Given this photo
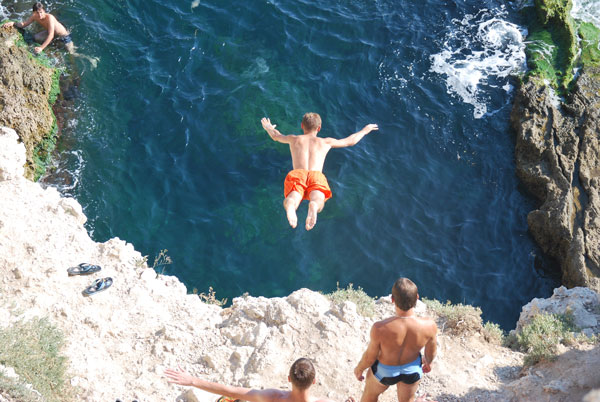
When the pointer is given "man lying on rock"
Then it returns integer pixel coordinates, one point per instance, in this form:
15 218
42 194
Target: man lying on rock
302 376
54 29
394 351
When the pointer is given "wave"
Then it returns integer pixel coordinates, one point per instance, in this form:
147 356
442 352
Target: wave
587 10
4 14
480 53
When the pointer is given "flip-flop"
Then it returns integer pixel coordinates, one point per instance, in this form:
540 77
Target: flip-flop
83 269
98 286
227 399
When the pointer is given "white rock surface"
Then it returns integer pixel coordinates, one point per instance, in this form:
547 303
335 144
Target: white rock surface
582 303
12 155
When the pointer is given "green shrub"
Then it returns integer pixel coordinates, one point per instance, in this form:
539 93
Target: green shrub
493 333
17 391
540 338
457 318
365 305
32 349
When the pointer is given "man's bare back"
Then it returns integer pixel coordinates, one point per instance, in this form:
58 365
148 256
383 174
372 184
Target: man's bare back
308 152
402 338
393 355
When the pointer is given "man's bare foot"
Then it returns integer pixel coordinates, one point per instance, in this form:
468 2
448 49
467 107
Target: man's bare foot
311 217
290 211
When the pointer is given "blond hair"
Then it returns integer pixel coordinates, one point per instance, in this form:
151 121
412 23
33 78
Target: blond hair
311 121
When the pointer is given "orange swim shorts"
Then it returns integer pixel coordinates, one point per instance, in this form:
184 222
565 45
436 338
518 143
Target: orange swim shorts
305 181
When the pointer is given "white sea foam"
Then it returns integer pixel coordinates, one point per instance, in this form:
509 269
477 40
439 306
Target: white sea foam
587 10
480 53
3 13
62 178
259 67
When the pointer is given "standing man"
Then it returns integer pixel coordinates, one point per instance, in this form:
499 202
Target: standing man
302 376
394 351
54 29
307 181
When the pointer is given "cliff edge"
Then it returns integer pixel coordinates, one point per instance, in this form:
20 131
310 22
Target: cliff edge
28 88
557 121
118 342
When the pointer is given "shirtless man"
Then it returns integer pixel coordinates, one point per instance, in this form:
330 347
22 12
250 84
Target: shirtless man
54 29
307 181
302 376
394 349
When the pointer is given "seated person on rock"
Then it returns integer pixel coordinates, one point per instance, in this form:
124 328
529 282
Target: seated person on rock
54 29
394 351
302 376
307 181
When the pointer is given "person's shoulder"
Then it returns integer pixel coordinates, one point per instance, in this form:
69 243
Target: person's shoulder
383 323
272 394
327 140
428 323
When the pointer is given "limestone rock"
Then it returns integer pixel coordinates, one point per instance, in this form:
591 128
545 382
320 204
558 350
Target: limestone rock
556 153
24 94
12 155
119 342
592 396
582 303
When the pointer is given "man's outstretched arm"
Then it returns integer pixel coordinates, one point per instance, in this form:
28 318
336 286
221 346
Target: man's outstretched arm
19 24
273 132
352 139
181 377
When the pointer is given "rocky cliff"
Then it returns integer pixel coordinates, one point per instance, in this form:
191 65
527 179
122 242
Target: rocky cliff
556 118
557 148
27 90
119 341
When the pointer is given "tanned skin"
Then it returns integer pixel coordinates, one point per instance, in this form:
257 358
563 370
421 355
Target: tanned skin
309 152
180 377
396 341
53 28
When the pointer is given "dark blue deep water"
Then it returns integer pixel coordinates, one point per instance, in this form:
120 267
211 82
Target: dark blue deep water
162 143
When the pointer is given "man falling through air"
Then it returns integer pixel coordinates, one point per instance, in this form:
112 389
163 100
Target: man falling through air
307 181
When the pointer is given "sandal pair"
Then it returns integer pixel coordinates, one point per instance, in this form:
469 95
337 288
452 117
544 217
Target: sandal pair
86 269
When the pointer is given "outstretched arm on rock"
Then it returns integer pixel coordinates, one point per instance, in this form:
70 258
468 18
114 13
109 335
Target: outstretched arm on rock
181 377
18 24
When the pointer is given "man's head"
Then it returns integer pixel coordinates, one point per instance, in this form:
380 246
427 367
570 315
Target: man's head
38 9
311 122
405 294
302 373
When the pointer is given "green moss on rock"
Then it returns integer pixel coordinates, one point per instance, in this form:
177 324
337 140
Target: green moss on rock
589 36
29 87
552 48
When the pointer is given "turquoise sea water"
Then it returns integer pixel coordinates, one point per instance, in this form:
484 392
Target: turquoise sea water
162 144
